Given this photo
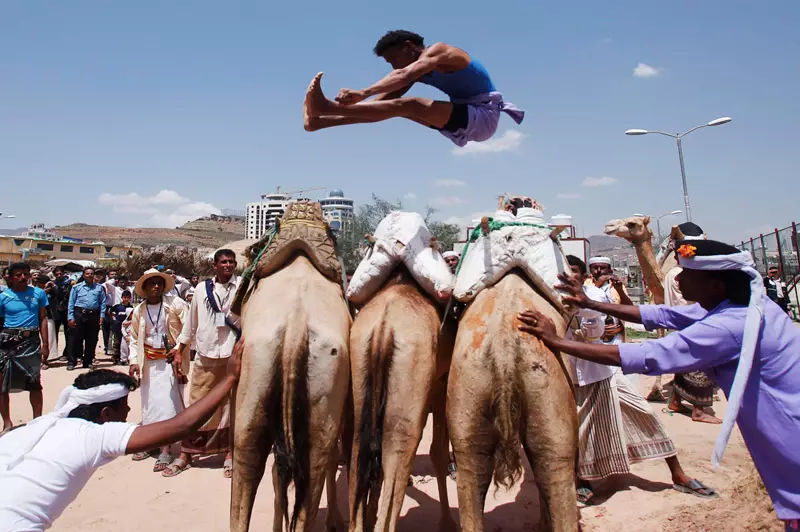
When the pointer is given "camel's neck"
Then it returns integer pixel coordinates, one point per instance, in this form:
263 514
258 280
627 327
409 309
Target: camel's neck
651 273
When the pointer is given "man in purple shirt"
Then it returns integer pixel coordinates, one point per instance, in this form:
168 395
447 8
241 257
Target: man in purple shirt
740 338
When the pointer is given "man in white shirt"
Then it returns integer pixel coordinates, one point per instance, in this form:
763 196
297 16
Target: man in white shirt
213 331
617 427
45 464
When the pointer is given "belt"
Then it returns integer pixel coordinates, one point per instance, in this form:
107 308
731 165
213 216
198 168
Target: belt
24 332
87 310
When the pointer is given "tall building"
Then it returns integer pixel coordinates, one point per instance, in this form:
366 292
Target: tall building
338 211
262 215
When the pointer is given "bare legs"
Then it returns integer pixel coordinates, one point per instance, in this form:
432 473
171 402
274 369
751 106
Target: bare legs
37 402
5 411
698 413
320 112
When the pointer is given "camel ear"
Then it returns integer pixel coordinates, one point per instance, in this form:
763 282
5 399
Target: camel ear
646 220
676 233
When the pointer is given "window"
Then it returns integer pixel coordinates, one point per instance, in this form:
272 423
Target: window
44 247
109 248
66 249
85 249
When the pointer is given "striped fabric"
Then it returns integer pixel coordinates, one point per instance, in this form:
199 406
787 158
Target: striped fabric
617 428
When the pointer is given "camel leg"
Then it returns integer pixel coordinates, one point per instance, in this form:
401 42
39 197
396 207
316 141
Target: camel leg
333 520
439 452
358 382
550 441
252 443
472 436
279 504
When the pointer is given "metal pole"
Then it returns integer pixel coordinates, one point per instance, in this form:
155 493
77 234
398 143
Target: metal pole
658 224
685 188
780 255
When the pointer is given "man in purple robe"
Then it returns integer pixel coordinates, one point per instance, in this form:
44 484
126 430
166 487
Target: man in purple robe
472 114
740 338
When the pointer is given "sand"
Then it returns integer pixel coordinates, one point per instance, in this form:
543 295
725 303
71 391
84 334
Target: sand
128 497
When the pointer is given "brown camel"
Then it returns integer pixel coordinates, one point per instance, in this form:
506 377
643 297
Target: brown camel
506 389
398 359
291 394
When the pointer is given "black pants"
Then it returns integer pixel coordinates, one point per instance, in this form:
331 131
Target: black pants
106 336
58 322
83 338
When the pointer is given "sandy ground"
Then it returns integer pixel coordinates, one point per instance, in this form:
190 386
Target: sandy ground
127 497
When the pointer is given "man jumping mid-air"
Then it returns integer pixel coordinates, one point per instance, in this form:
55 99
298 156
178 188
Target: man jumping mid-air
472 114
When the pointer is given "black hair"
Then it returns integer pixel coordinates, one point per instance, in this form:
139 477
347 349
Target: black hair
122 278
224 253
773 267
58 269
89 268
126 293
396 38
17 266
737 285
95 378
99 271
193 275
572 260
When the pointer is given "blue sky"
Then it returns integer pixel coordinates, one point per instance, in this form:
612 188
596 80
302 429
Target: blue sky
104 105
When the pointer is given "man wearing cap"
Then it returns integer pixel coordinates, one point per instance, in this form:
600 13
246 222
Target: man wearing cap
155 325
744 342
694 387
45 464
451 258
86 311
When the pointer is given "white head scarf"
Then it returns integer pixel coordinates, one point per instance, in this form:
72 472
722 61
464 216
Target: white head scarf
600 260
448 254
69 400
743 262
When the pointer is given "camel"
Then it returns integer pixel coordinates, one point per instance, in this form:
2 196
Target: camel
507 389
636 231
291 394
398 359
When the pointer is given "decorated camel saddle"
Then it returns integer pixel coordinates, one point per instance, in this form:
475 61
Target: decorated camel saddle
401 237
507 241
303 229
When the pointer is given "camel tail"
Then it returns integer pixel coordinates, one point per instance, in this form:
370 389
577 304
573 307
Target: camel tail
370 452
292 419
506 415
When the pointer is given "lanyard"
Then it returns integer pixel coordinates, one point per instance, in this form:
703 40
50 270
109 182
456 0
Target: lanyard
222 302
158 316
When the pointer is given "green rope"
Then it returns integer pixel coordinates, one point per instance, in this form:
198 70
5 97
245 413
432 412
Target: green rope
494 225
248 273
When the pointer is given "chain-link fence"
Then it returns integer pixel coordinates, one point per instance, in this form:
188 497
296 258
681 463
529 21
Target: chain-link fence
779 248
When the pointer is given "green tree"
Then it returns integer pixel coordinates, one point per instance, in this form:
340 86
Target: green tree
352 245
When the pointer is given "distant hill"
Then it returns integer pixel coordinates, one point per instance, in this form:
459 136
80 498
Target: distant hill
13 232
202 233
613 246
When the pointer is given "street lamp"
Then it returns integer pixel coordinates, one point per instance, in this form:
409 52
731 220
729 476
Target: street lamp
658 220
7 216
678 137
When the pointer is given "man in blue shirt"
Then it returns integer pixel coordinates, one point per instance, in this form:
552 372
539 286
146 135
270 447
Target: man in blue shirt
22 310
87 306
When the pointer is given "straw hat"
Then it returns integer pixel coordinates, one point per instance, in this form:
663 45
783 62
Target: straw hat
169 282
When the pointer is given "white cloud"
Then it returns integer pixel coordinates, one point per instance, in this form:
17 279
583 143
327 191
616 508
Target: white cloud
567 195
643 70
508 141
447 200
468 220
449 183
599 181
166 208
410 195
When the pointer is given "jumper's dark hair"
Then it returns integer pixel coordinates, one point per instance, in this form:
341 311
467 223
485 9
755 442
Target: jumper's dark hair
737 285
224 253
18 266
396 38
572 260
96 378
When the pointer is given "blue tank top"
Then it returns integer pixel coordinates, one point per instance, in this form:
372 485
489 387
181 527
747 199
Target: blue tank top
464 83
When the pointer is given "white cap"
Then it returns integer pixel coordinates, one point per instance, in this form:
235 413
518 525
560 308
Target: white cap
600 260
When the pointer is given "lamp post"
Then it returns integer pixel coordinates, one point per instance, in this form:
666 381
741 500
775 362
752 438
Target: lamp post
658 221
678 137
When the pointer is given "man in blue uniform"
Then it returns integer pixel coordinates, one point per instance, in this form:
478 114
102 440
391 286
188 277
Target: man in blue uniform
87 306
472 114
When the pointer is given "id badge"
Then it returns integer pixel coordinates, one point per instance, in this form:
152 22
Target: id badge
157 343
219 319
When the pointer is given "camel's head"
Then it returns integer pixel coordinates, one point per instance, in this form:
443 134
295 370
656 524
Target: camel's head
633 229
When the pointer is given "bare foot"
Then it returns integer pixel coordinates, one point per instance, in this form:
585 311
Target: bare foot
316 103
699 415
675 405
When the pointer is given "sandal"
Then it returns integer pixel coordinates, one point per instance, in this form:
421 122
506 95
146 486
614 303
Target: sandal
452 470
584 495
694 487
227 468
164 459
176 468
138 457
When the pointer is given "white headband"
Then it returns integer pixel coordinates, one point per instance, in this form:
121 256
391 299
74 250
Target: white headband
600 260
743 262
447 254
70 399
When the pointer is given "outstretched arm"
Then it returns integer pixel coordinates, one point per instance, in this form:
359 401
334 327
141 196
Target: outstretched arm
432 57
574 296
148 437
541 326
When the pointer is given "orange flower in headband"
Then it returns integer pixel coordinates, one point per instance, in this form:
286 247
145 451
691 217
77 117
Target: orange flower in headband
687 251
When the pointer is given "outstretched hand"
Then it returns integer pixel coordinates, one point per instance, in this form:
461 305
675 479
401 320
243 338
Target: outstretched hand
235 361
574 296
350 96
537 324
